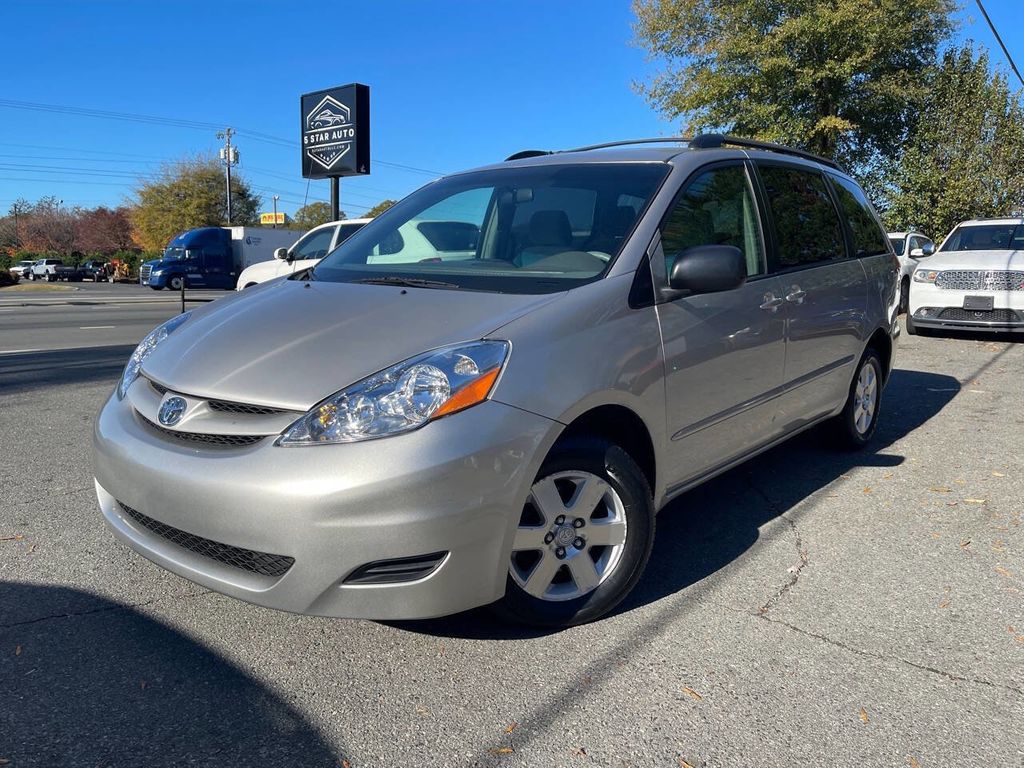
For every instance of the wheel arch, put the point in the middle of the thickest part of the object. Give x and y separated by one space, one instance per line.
881 342
622 426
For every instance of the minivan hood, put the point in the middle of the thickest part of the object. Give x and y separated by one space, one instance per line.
291 343
987 260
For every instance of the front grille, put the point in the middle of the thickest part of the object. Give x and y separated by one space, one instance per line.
980 315
980 280
203 438
225 406
144 273
249 560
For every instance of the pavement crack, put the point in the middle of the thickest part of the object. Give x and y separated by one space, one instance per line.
951 676
794 571
102 609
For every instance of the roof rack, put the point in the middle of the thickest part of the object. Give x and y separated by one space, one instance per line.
715 140
700 141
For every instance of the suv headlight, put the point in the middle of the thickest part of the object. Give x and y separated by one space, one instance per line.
403 397
147 345
925 275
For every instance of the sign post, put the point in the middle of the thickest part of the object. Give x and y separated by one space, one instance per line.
336 136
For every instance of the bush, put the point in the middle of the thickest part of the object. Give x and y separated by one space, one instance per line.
6 262
6 278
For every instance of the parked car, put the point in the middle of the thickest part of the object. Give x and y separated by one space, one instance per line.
910 247
304 252
975 281
94 269
22 269
406 439
46 269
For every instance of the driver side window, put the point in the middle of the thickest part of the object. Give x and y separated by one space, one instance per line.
716 208
314 245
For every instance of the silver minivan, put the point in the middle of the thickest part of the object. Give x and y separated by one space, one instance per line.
496 419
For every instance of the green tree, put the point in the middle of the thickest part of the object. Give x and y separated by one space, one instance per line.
379 208
963 159
189 194
838 77
313 215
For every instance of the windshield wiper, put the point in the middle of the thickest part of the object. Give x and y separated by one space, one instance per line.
407 282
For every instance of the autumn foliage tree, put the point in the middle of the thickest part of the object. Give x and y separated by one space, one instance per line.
189 194
842 78
379 208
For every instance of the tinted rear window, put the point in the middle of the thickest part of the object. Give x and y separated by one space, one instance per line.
869 239
807 228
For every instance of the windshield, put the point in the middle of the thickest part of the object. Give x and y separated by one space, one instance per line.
537 229
898 244
985 237
174 253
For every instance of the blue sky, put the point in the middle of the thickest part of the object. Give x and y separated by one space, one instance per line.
453 85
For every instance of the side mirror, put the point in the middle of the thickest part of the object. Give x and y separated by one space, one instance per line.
708 269
282 254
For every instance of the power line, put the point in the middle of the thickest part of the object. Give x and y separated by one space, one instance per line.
174 122
999 40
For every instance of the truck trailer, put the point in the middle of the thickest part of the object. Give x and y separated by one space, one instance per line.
212 257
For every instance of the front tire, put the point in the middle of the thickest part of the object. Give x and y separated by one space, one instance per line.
177 282
584 537
904 295
855 426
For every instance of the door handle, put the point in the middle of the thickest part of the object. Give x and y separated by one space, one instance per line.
796 295
771 303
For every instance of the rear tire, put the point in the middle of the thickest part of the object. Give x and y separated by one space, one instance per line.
904 294
854 427
600 495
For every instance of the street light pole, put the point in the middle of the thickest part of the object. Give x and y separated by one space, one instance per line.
276 198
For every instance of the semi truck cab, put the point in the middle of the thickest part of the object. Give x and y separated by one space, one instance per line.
202 258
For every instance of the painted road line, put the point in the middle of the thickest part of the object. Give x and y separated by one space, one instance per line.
94 327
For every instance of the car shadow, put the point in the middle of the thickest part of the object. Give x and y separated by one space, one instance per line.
105 685
712 525
22 371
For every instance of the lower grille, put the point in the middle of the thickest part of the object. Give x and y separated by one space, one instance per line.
203 438
397 570
249 560
980 315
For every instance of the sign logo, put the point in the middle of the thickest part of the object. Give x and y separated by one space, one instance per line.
270 218
171 411
328 133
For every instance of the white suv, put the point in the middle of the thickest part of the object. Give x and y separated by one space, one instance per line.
975 281
306 252
909 247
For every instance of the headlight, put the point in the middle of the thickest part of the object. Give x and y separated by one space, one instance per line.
147 345
925 276
403 397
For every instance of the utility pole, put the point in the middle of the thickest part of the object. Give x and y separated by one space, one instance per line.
276 198
229 156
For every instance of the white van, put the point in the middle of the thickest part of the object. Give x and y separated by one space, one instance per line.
305 252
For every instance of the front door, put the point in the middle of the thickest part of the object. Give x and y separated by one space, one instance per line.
724 352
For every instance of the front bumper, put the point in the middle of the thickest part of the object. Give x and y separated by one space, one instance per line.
942 308
456 486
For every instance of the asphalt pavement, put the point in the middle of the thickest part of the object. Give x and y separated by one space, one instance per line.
807 608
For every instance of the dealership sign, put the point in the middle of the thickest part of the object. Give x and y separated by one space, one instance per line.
336 132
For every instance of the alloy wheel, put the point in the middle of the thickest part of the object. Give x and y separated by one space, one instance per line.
570 538
865 398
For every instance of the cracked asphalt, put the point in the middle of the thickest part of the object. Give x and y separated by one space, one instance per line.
807 608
